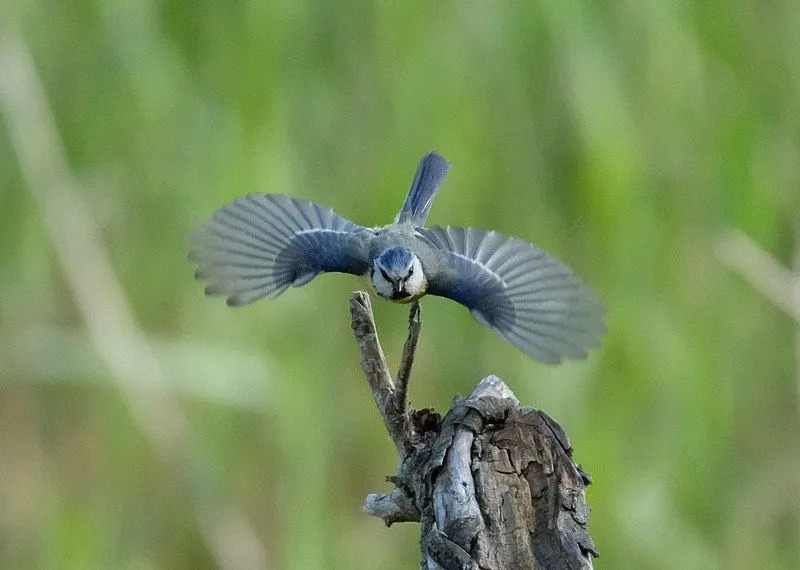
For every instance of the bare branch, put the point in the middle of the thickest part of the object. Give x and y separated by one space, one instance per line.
395 507
401 388
373 363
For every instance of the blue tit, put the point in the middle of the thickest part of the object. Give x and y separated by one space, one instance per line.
259 245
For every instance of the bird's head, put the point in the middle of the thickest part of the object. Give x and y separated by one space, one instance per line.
397 275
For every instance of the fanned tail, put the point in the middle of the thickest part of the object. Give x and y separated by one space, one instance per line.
430 174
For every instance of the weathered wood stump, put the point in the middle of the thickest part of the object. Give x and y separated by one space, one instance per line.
493 483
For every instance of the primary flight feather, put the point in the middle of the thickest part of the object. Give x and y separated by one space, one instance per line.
259 245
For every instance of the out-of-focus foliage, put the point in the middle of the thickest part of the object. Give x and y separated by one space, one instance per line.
622 137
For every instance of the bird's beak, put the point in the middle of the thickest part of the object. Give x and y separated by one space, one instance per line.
398 285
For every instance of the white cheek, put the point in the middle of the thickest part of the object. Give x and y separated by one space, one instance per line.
416 279
382 286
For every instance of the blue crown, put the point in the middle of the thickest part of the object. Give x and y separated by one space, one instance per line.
396 257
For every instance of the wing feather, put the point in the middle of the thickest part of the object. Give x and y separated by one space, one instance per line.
530 298
259 245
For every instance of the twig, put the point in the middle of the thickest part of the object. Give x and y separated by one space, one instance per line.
393 507
373 363
401 387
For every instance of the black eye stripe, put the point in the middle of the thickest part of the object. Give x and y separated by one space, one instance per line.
385 275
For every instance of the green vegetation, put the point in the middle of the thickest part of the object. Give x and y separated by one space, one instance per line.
625 138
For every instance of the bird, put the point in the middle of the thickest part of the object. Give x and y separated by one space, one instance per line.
259 245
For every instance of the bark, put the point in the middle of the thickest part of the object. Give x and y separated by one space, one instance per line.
492 483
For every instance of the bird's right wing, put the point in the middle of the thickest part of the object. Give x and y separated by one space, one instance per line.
258 245
530 298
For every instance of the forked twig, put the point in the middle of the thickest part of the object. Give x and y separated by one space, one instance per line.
467 477
390 398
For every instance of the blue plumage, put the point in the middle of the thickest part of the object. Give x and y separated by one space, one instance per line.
396 257
430 174
260 245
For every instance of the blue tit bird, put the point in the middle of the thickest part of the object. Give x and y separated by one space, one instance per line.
259 245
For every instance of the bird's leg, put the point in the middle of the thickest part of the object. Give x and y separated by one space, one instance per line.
401 384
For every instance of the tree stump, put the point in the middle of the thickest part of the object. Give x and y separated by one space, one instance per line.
493 483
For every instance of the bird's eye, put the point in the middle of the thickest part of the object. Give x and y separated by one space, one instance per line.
411 270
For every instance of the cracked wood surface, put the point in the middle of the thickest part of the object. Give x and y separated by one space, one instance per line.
492 483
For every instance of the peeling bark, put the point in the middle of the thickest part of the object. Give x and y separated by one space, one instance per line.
492 483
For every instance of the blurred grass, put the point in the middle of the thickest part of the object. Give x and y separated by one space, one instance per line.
624 138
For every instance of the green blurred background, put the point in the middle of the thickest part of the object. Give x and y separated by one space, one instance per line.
143 425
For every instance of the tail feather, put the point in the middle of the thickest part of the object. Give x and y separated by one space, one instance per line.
430 174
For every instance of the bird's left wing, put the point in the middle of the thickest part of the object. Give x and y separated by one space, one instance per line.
258 245
530 298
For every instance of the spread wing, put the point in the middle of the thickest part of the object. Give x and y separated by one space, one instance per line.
530 298
258 245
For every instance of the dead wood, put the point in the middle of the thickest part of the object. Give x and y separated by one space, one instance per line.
492 483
